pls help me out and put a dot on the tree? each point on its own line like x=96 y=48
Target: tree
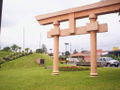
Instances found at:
x=6 y=49
x=27 y=49
x=39 y=51
x=75 y=51
x=67 y=53
x=14 y=47
x=44 y=48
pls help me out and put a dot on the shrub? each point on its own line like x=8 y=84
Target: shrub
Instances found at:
x=73 y=68
x=26 y=53
x=15 y=56
x=20 y=55
x=23 y=54
x=63 y=61
x=6 y=58
x=2 y=61
x=11 y=58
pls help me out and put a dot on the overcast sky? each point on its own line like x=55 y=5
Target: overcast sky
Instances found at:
x=19 y=16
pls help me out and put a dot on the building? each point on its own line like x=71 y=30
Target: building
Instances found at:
x=115 y=53
x=85 y=55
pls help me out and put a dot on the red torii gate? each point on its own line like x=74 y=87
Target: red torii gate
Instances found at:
x=92 y=28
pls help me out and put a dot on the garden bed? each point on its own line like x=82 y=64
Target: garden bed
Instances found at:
x=73 y=68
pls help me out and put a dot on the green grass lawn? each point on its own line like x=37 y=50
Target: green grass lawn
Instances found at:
x=21 y=75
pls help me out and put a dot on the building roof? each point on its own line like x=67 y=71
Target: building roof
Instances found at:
x=79 y=54
x=87 y=53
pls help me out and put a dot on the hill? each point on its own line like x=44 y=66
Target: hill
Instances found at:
x=27 y=61
x=4 y=53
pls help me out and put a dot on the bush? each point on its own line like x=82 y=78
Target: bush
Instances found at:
x=23 y=54
x=20 y=55
x=73 y=68
x=6 y=58
x=2 y=61
x=11 y=58
x=63 y=61
x=16 y=55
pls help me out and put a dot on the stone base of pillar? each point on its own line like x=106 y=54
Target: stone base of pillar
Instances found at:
x=55 y=73
x=93 y=74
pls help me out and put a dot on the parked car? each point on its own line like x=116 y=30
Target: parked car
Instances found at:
x=108 y=61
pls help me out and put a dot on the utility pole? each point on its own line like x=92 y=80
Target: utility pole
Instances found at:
x=1 y=2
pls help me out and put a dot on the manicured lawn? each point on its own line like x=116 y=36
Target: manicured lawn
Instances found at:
x=39 y=78
x=25 y=74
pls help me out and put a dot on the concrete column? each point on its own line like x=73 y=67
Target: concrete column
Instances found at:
x=93 y=43
x=56 y=51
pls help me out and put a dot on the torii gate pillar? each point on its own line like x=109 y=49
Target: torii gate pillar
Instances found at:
x=93 y=43
x=56 y=49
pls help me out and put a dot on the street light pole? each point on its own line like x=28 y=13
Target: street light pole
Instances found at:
x=66 y=46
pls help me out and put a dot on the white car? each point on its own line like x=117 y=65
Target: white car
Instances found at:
x=108 y=61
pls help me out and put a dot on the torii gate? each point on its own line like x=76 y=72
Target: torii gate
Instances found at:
x=92 y=28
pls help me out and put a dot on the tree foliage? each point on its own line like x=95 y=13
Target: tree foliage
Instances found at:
x=39 y=51
x=14 y=47
x=75 y=51
x=67 y=53
x=6 y=49
x=42 y=50
x=27 y=49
